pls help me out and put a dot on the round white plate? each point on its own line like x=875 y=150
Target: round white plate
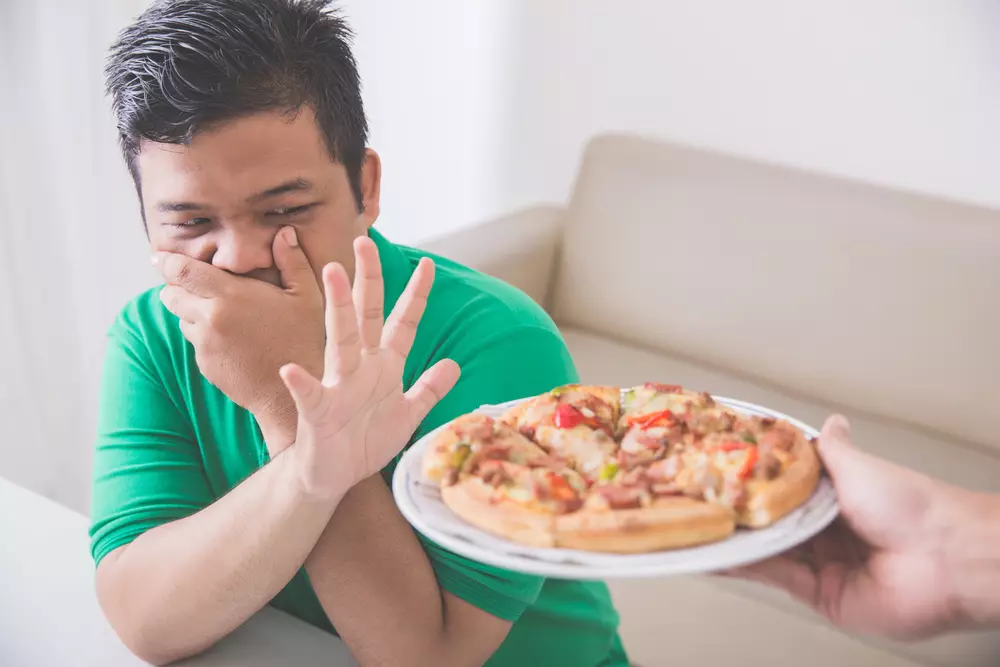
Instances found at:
x=420 y=502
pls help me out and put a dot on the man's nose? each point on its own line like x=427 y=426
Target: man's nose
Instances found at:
x=245 y=251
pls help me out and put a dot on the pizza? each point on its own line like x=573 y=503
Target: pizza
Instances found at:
x=599 y=468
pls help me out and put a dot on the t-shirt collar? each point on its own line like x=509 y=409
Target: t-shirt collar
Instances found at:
x=396 y=268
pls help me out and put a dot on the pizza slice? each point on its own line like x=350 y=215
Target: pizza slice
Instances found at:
x=472 y=439
x=516 y=501
x=574 y=422
x=760 y=468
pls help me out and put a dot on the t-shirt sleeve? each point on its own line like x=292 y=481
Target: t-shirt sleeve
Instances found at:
x=147 y=465
x=514 y=363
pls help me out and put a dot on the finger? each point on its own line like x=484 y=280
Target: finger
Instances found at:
x=785 y=572
x=306 y=391
x=191 y=332
x=835 y=446
x=433 y=385
x=401 y=326
x=343 y=342
x=296 y=272
x=368 y=293
x=186 y=306
x=197 y=277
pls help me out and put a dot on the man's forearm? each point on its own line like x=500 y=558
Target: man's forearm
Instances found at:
x=377 y=586
x=973 y=554
x=374 y=579
x=179 y=588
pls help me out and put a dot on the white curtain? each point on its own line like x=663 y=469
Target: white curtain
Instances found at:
x=72 y=249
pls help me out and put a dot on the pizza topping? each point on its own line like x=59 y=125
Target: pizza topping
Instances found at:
x=475 y=459
x=621 y=497
x=473 y=429
x=559 y=491
x=734 y=494
x=460 y=455
x=527 y=431
x=664 y=470
x=630 y=460
x=768 y=466
x=732 y=446
x=567 y=416
x=712 y=421
x=777 y=438
x=748 y=464
x=495 y=473
x=664 y=388
x=659 y=418
x=707 y=400
x=608 y=472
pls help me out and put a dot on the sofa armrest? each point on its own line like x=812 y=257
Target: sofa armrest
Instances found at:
x=519 y=248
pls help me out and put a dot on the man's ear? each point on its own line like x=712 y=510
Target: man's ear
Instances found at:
x=371 y=186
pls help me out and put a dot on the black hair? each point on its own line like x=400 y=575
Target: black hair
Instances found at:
x=185 y=65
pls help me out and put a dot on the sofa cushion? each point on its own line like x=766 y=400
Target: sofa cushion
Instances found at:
x=707 y=600
x=519 y=248
x=856 y=295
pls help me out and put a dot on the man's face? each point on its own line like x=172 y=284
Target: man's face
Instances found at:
x=222 y=198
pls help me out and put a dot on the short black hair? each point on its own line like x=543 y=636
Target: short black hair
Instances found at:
x=185 y=65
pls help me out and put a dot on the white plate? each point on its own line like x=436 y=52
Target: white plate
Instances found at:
x=420 y=502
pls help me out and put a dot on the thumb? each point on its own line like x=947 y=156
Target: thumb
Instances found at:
x=306 y=391
x=836 y=447
x=296 y=271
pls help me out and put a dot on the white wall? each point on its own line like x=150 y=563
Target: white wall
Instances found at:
x=72 y=250
x=434 y=84
x=898 y=92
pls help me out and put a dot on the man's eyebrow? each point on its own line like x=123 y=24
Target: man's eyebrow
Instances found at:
x=294 y=185
x=174 y=206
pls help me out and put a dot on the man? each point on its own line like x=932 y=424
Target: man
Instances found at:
x=913 y=557
x=242 y=125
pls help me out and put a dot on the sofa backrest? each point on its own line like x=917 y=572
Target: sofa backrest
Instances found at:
x=863 y=297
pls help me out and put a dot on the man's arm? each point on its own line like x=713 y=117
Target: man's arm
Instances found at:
x=179 y=588
x=373 y=577
x=379 y=590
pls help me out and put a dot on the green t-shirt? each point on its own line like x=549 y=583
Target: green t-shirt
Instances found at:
x=169 y=444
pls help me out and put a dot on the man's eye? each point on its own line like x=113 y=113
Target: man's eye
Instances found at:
x=290 y=210
x=193 y=222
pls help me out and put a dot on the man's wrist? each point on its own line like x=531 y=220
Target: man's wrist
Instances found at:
x=313 y=486
x=277 y=427
x=972 y=551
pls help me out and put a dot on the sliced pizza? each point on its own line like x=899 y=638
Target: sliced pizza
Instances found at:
x=463 y=444
x=574 y=422
x=666 y=468
x=517 y=502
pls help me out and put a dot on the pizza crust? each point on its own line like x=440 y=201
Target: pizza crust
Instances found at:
x=472 y=500
x=771 y=500
x=670 y=523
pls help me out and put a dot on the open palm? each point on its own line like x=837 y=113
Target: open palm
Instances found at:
x=357 y=418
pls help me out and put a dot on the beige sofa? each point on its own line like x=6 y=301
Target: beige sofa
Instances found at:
x=802 y=292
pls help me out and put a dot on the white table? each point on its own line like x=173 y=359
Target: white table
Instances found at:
x=49 y=614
